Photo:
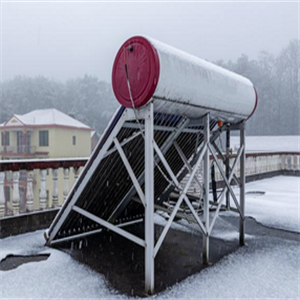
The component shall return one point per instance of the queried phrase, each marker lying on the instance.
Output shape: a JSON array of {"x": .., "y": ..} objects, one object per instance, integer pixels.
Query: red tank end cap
[{"x": 142, "y": 63}]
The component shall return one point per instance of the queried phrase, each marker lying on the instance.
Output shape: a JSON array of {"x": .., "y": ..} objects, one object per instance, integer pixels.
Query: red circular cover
[{"x": 142, "y": 63}]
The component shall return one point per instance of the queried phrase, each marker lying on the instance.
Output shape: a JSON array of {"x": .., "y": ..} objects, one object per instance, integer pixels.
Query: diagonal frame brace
[
  {"x": 185, "y": 198},
  {"x": 110, "y": 226},
  {"x": 222, "y": 196},
  {"x": 123, "y": 143},
  {"x": 224, "y": 159},
  {"x": 164, "y": 148},
  {"x": 88, "y": 233},
  {"x": 185, "y": 161},
  {"x": 224, "y": 176},
  {"x": 192, "y": 209},
  {"x": 130, "y": 171},
  {"x": 181, "y": 198},
  {"x": 166, "y": 165}
]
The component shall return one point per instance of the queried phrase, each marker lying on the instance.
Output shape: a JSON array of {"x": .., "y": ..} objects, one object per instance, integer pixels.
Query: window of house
[
  {"x": 5, "y": 138},
  {"x": 44, "y": 138},
  {"x": 74, "y": 140}
]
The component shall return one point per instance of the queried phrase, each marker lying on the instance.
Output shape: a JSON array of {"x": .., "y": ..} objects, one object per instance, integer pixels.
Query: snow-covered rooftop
[
  {"x": 267, "y": 268},
  {"x": 45, "y": 117}
]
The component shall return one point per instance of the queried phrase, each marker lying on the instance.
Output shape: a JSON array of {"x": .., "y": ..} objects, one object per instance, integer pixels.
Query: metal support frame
[
  {"x": 149, "y": 202},
  {"x": 179, "y": 201},
  {"x": 165, "y": 147},
  {"x": 205, "y": 252},
  {"x": 227, "y": 166},
  {"x": 154, "y": 154},
  {"x": 224, "y": 161},
  {"x": 110, "y": 226},
  {"x": 187, "y": 164},
  {"x": 227, "y": 180},
  {"x": 160, "y": 128},
  {"x": 223, "y": 193},
  {"x": 209, "y": 147},
  {"x": 242, "y": 184},
  {"x": 130, "y": 171},
  {"x": 85, "y": 234}
]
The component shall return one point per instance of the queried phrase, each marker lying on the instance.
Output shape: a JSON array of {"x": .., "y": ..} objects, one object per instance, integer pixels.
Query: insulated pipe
[{"x": 179, "y": 83}]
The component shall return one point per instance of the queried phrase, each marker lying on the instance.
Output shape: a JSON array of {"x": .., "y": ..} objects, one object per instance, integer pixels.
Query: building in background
[
  {"x": 95, "y": 137},
  {"x": 46, "y": 133}
]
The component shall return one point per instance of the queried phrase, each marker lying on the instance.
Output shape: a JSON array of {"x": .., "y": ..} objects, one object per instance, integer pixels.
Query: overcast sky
[{"x": 61, "y": 40}]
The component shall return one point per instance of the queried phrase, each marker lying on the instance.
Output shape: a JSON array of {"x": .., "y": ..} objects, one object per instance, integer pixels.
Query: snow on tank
[{"x": 179, "y": 83}]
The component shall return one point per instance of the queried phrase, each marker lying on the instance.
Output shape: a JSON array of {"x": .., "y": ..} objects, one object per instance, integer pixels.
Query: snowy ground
[
  {"x": 279, "y": 207},
  {"x": 267, "y": 268},
  {"x": 268, "y": 143},
  {"x": 58, "y": 277}
]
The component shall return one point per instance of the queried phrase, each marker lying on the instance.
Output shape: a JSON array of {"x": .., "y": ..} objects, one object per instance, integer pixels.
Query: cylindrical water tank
[{"x": 179, "y": 83}]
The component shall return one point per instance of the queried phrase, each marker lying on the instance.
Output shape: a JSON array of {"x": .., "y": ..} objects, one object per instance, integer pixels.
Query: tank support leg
[
  {"x": 149, "y": 202},
  {"x": 205, "y": 252},
  {"x": 228, "y": 166},
  {"x": 242, "y": 184}
]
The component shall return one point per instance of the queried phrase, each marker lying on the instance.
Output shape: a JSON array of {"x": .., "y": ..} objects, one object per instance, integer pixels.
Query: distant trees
[
  {"x": 87, "y": 99},
  {"x": 92, "y": 101},
  {"x": 276, "y": 80}
]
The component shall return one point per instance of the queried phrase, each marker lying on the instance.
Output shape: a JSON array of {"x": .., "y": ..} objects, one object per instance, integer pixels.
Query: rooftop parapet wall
[{"x": 18, "y": 216}]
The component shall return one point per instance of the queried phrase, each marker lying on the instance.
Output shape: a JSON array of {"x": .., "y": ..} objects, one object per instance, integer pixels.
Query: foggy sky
[{"x": 62, "y": 40}]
